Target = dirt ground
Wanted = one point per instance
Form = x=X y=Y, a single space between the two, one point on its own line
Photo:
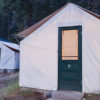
x=92 y=96
x=10 y=90
x=22 y=95
x=8 y=79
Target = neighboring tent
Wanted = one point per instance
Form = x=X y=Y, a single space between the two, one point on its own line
x=9 y=56
x=62 y=52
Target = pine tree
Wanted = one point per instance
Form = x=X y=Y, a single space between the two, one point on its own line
x=17 y=15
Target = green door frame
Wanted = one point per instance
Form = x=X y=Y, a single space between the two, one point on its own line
x=79 y=28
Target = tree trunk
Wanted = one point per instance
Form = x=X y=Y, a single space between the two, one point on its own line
x=9 y=29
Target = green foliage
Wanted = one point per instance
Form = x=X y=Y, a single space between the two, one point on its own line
x=9 y=91
x=27 y=92
x=17 y=15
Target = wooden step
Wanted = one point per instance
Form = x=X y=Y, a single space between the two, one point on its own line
x=56 y=99
x=67 y=95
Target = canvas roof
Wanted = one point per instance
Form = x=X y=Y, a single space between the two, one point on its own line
x=12 y=46
x=34 y=27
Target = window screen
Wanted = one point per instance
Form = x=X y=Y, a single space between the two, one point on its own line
x=70 y=44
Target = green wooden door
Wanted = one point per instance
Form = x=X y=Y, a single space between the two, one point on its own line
x=70 y=58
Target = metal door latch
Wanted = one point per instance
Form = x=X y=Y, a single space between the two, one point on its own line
x=69 y=65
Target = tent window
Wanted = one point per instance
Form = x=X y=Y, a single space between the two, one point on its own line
x=70 y=44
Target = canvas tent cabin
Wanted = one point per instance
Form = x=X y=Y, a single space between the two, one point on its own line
x=62 y=52
x=9 y=56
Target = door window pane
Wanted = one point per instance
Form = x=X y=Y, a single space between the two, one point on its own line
x=70 y=44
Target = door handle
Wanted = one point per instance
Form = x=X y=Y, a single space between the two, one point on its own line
x=69 y=65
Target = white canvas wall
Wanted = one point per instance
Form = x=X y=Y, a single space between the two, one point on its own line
x=39 y=51
x=17 y=58
x=8 y=57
